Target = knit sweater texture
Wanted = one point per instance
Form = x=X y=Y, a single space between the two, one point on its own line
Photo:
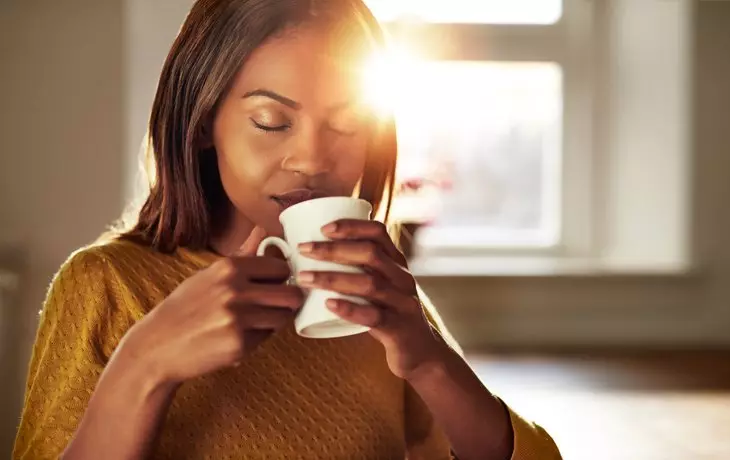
x=292 y=398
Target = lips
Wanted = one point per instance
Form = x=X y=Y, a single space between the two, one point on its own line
x=292 y=197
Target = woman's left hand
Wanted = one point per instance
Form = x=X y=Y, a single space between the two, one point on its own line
x=395 y=314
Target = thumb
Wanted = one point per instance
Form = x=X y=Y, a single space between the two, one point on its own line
x=251 y=245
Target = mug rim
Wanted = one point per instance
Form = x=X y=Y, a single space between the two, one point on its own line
x=283 y=213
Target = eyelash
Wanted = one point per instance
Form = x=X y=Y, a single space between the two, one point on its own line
x=282 y=128
x=270 y=129
x=345 y=133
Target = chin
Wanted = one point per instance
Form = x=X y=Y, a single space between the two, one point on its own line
x=273 y=227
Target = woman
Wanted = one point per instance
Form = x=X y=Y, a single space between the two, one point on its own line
x=174 y=340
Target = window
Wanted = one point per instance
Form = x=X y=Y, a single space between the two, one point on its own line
x=482 y=93
x=611 y=194
x=492 y=148
x=469 y=11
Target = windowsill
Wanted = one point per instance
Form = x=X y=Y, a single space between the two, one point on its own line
x=495 y=266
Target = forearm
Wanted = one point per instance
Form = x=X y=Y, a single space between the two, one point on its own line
x=475 y=421
x=124 y=414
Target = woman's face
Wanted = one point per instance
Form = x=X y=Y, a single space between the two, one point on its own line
x=291 y=128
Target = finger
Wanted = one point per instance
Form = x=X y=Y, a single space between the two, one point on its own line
x=372 y=230
x=265 y=269
x=263 y=318
x=251 y=245
x=242 y=270
x=361 y=253
x=365 y=285
x=281 y=296
x=370 y=316
x=252 y=338
x=245 y=341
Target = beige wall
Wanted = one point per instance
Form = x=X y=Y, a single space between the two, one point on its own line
x=73 y=101
x=61 y=158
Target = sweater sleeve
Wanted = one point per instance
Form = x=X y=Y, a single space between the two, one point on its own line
x=531 y=441
x=71 y=348
x=426 y=441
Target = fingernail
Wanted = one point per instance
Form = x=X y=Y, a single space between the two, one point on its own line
x=306 y=247
x=330 y=228
x=332 y=304
x=305 y=278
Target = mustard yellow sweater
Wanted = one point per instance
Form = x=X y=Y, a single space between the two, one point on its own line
x=292 y=398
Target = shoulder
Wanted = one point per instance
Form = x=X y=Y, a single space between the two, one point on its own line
x=131 y=274
x=117 y=251
x=126 y=271
x=120 y=258
x=85 y=278
x=127 y=257
x=97 y=275
x=91 y=296
x=85 y=268
x=96 y=265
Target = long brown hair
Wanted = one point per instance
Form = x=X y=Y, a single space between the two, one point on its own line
x=217 y=36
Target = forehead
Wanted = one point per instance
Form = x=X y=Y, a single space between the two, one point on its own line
x=308 y=65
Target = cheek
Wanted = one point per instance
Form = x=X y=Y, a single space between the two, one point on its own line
x=246 y=163
x=351 y=155
x=243 y=161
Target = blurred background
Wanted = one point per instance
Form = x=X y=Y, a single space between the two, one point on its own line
x=565 y=181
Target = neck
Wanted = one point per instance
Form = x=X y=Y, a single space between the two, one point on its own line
x=228 y=238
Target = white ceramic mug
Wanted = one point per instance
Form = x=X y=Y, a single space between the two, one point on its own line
x=303 y=223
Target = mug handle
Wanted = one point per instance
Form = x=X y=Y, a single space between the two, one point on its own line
x=282 y=245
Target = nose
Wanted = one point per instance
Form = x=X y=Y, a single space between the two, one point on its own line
x=308 y=155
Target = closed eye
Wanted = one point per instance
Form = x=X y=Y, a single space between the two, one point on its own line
x=268 y=128
x=349 y=121
x=343 y=132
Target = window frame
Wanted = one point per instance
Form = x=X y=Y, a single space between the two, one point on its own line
x=569 y=43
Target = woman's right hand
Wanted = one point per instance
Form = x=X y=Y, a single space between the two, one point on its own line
x=217 y=316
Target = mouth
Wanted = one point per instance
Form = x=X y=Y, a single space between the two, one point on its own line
x=292 y=197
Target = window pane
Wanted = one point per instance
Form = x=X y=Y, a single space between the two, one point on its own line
x=479 y=151
x=469 y=11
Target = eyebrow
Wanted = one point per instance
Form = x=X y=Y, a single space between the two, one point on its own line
x=275 y=96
